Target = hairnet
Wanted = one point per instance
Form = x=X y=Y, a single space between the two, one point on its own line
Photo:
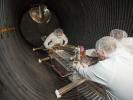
x=118 y=34
x=58 y=30
x=107 y=44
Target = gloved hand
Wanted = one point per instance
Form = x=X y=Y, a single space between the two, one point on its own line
x=76 y=64
x=91 y=52
x=50 y=51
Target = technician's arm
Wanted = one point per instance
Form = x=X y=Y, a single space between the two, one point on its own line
x=96 y=73
x=65 y=40
x=48 y=42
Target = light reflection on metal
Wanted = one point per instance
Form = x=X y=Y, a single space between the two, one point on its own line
x=59 y=93
x=39 y=48
x=40 y=14
x=7 y=29
x=40 y=60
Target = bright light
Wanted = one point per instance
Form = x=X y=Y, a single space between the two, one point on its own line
x=40 y=14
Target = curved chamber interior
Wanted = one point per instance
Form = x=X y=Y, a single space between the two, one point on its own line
x=83 y=21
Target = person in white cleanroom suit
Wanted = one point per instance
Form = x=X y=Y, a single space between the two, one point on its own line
x=118 y=34
x=56 y=38
x=114 y=70
x=123 y=39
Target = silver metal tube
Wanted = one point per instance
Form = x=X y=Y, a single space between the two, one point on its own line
x=69 y=87
x=39 y=48
x=43 y=59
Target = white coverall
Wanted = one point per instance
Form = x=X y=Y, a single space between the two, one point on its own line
x=53 y=40
x=128 y=44
x=115 y=72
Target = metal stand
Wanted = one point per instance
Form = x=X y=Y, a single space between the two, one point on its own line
x=68 y=87
x=39 y=48
x=40 y=60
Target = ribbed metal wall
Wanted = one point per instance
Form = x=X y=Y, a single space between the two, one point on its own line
x=23 y=77
x=85 y=21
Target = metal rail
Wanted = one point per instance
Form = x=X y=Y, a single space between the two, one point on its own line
x=7 y=29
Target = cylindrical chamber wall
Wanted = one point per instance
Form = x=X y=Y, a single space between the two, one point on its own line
x=32 y=31
x=20 y=71
x=84 y=21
